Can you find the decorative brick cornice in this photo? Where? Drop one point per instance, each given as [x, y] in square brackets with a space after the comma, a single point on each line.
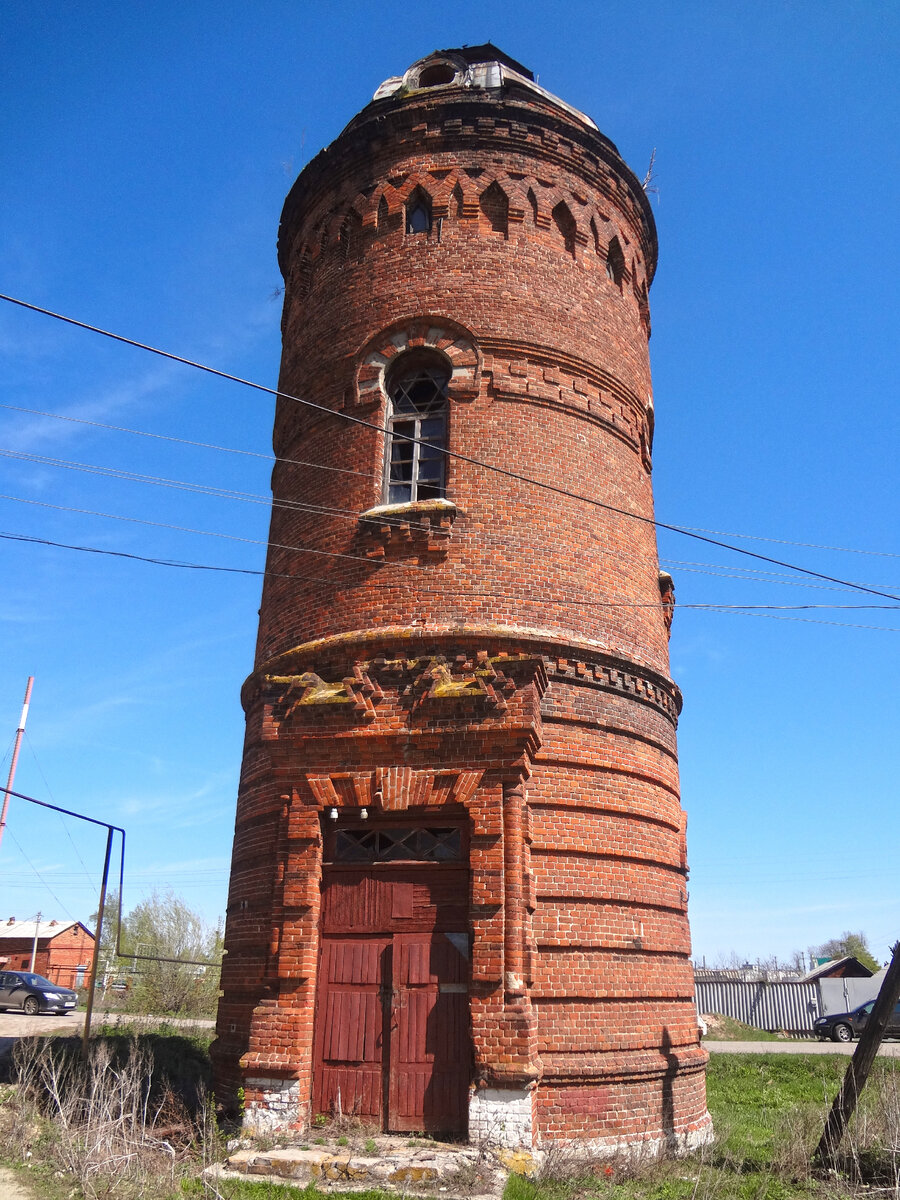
[534, 375]
[429, 685]
[392, 789]
[616, 676]
[541, 654]
[308, 694]
[516, 126]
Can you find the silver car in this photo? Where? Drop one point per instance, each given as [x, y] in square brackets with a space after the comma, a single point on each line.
[34, 994]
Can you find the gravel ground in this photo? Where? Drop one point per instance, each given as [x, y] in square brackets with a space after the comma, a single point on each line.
[10, 1188]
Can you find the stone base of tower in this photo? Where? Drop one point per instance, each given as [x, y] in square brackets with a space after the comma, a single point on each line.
[596, 1120]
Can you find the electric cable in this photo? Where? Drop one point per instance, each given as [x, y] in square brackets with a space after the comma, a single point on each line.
[348, 417]
[39, 875]
[62, 822]
[355, 514]
[167, 437]
[755, 537]
[747, 609]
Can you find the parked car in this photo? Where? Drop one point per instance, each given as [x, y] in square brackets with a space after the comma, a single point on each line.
[34, 994]
[844, 1027]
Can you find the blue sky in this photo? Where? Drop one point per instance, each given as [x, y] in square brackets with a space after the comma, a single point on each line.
[145, 155]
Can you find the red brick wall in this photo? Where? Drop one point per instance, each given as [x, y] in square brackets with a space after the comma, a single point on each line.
[567, 764]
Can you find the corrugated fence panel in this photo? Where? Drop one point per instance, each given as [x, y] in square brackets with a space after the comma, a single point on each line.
[787, 1007]
[840, 995]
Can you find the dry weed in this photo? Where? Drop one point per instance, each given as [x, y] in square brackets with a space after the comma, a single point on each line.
[95, 1121]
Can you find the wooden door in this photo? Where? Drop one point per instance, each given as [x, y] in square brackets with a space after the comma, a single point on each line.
[429, 1033]
[392, 1040]
[350, 1020]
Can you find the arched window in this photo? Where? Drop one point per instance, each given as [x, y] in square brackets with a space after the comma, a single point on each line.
[565, 223]
[418, 213]
[615, 262]
[417, 396]
[495, 206]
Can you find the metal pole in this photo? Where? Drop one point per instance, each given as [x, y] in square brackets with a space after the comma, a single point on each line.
[15, 758]
[37, 930]
[92, 986]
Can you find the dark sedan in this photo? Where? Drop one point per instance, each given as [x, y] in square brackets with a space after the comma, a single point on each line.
[34, 994]
[844, 1027]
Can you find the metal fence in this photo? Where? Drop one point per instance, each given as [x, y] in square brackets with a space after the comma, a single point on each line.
[776, 1007]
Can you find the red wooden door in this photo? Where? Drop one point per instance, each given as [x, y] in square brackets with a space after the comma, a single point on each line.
[429, 1033]
[392, 1042]
[353, 975]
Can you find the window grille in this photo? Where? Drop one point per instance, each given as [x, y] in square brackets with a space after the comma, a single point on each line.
[398, 845]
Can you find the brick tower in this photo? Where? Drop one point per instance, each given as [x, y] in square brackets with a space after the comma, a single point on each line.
[458, 893]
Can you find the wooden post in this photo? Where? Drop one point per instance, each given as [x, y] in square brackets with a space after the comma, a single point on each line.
[860, 1064]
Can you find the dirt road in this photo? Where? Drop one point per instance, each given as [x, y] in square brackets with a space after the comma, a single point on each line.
[887, 1049]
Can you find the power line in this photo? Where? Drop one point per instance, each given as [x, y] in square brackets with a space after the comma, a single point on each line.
[757, 577]
[231, 537]
[166, 437]
[299, 462]
[740, 609]
[39, 875]
[753, 537]
[62, 822]
[749, 573]
[348, 417]
[202, 489]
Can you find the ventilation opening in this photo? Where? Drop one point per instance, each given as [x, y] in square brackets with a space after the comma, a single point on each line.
[437, 74]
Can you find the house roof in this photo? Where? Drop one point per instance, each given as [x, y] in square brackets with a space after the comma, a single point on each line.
[45, 929]
[848, 967]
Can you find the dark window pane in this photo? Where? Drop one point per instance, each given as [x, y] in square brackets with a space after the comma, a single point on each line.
[418, 219]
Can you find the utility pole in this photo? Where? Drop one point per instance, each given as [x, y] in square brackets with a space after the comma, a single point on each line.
[860, 1064]
[15, 758]
[37, 930]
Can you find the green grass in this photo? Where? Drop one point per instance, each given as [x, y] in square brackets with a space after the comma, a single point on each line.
[234, 1189]
[768, 1111]
[728, 1029]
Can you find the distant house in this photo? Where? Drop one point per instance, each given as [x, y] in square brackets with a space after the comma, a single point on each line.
[839, 968]
[64, 952]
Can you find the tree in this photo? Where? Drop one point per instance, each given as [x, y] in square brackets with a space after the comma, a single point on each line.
[106, 950]
[160, 929]
[847, 945]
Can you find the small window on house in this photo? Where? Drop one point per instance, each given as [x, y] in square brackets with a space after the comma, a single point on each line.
[417, 413]
[398, 845]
